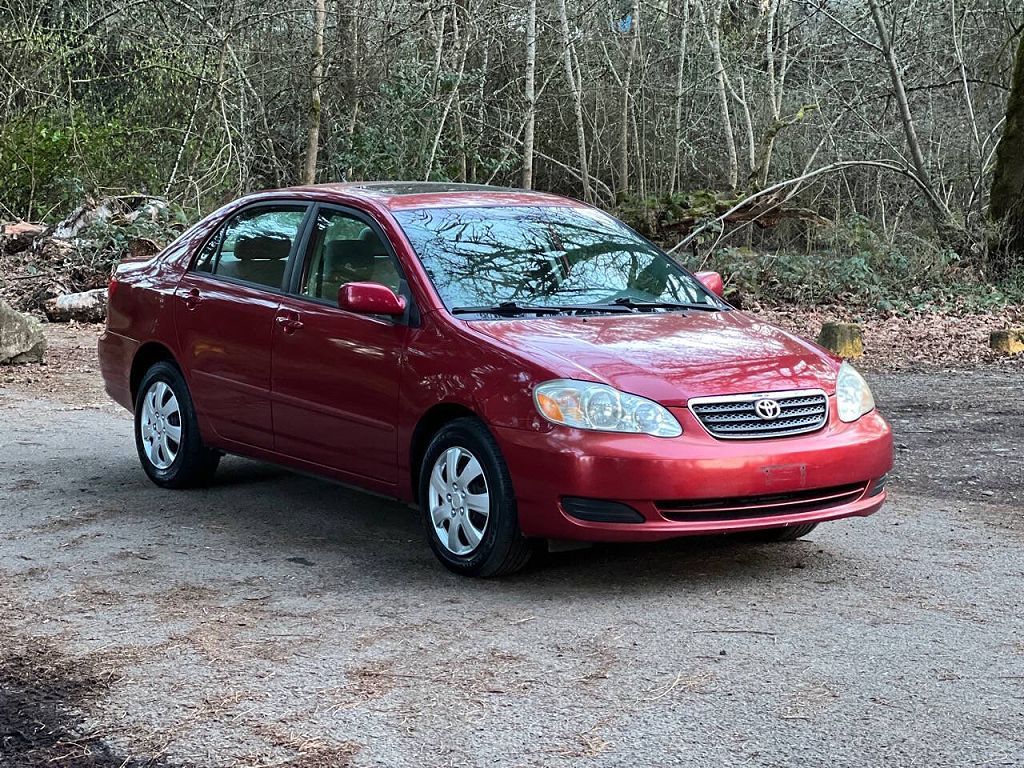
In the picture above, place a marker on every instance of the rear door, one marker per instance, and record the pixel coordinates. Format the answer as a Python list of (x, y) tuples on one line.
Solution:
[(336, 374), (226, 306)]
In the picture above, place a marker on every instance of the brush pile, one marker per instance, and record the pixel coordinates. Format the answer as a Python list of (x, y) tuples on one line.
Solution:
[(41, 266)]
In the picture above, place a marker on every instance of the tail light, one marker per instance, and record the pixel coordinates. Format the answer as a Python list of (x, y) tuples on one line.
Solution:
[(111, 288)]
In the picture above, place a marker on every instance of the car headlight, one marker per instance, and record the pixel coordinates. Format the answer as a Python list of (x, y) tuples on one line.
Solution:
[(853, 395), (587, 405)]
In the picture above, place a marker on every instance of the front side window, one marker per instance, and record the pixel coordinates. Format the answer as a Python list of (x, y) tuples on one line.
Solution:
[(343, 249), (543, 256), (254, 245)]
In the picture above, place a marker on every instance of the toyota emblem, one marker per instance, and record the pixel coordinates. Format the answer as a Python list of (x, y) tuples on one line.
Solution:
[(767, 409)]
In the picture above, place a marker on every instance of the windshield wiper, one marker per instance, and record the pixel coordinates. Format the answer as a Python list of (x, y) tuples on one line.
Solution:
[(508, 308), (513, 308), (626, 301)]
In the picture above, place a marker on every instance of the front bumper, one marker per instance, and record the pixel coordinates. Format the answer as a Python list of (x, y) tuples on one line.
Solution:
[(664, 478)]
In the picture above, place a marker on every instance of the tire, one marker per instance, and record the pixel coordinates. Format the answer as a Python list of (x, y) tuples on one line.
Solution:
[(170, 463), (483, 545), (788, 533)]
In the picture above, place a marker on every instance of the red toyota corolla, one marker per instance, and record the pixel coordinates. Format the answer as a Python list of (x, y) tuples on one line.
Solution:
[(522, 366)]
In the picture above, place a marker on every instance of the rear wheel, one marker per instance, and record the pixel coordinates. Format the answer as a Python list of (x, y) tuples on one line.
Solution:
[(789, 533), (467, 503), (167, 433)]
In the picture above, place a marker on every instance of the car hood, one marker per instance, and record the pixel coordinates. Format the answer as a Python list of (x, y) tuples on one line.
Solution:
[(670, 357)]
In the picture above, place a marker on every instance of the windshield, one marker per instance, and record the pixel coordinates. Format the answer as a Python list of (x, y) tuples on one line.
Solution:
[(544, 256)]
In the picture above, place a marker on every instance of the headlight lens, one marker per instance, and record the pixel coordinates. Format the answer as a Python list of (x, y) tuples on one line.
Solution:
[(853, 396), (587, 405)]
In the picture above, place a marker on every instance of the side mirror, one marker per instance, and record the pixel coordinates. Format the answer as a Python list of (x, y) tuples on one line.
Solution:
[(712, 281), (370, 299)]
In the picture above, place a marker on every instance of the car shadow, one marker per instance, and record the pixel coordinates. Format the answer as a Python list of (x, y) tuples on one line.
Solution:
[(267, 513)]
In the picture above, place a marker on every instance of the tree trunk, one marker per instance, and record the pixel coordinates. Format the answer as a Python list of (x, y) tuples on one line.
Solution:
[(1007, 200), (347, 43), (634, 39), (713, 33), (577, 99), (775, 88), (316, 78), (526, 180), (677, 135), (913, 144)]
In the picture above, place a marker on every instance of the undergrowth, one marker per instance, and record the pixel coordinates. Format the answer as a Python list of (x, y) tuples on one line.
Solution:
[(850, 261)]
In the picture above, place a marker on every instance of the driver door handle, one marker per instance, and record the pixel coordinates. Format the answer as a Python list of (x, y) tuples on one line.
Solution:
[(289, 321)]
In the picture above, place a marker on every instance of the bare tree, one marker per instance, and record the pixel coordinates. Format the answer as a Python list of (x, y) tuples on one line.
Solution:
[(913, 143), (530, 95), (709, 97), (713, 33), (577, 99), (316, 81), (677, 112), (624, 125)]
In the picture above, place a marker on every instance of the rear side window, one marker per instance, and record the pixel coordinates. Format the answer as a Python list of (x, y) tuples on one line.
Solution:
[(254, 246)]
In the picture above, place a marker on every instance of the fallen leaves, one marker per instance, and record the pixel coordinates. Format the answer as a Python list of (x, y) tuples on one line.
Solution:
[(907, 341)]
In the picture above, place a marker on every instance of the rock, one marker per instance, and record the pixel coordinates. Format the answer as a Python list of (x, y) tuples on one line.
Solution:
[(842, 338), (86, 307), (21, 337), (1008, 342)]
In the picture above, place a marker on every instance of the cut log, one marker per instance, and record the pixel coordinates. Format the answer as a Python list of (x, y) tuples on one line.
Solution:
[(19, 235), (21, 337), (1008, 342), (844, 339), (86, 307)]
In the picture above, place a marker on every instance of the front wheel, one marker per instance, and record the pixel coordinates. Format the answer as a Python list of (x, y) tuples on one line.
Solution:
[(468, 505), (167, 433)]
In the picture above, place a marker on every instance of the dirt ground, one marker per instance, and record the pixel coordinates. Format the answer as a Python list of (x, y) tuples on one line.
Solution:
[(275, 619)]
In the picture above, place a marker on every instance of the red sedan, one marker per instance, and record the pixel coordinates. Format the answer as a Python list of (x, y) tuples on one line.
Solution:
[(522, 366)]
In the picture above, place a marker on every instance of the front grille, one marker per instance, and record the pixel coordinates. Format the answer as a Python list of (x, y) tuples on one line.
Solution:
[(742, 507), (736, 417)]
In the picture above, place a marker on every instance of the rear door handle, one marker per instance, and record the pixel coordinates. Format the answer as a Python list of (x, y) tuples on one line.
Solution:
[(192, 299)]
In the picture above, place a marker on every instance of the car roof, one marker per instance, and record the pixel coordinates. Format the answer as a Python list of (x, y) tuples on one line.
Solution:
[(404, 195)]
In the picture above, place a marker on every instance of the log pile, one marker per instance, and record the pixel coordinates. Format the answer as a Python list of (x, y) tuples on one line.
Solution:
[(42, 268)]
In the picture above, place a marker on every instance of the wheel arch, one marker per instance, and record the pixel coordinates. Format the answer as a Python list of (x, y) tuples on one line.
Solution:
[(425, 429), (146, 356)]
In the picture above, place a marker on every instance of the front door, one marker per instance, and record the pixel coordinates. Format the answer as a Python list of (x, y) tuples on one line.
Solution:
[(225, 308), (335, 377)]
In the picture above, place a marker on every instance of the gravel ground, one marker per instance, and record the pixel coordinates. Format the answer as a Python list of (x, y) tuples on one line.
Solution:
[(276, 619)]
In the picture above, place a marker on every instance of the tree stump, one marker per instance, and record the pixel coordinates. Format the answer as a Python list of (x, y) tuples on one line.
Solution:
[(842, 338), (1009, 342)]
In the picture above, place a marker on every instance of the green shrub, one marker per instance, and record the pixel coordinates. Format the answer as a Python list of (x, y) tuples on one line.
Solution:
[(48, 162)]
